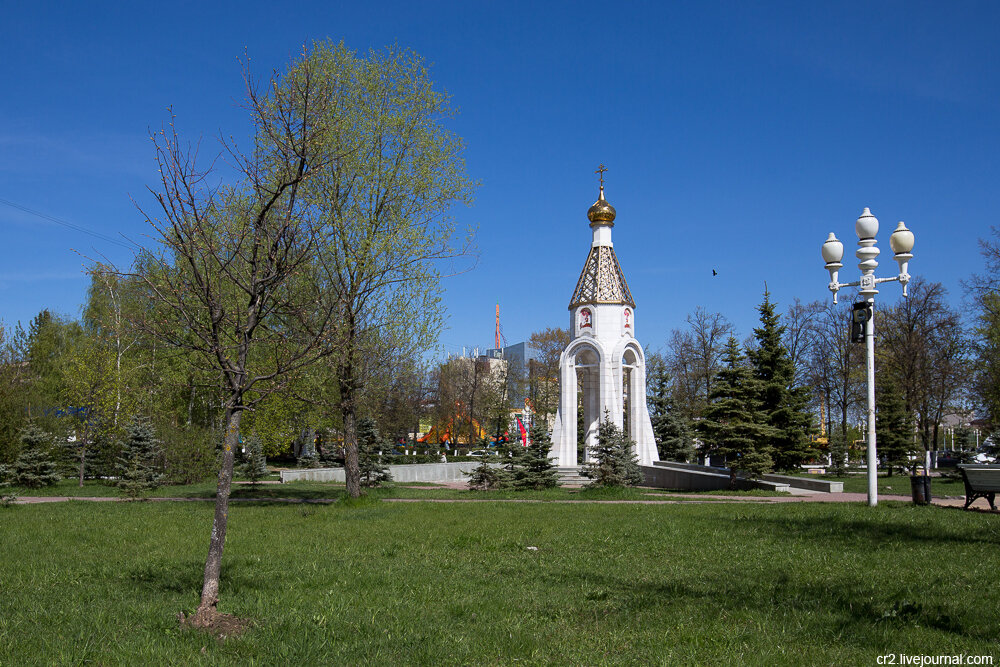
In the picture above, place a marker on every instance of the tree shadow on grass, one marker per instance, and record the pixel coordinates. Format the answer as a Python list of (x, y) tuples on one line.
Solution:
[(876, 531), (186, 576), (839, 609)]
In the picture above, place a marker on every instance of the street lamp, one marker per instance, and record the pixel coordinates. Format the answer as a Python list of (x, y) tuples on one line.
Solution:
[(901, 242)]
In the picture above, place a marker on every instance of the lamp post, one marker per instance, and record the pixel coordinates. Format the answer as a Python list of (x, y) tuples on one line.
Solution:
[(901, 242)]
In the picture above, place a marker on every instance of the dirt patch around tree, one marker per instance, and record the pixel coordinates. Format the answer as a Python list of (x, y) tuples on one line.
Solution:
[(219, 625)]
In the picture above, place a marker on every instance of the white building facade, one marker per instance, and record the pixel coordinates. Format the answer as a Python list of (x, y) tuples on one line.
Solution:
[(604, 359)]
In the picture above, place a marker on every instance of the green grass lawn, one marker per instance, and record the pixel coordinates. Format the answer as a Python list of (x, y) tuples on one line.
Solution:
[(898, 485), (335, 490), (429, 583)]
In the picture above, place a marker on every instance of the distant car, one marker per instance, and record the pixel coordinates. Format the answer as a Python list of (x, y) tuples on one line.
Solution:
[(479, 452)]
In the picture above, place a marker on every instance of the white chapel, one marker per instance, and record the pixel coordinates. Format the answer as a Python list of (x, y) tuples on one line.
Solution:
[(604, 356)]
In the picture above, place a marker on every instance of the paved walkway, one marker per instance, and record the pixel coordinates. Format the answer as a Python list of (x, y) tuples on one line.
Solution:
[(664, 498)]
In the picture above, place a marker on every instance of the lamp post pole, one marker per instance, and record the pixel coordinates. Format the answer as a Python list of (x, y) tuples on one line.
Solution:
[(901, 242)]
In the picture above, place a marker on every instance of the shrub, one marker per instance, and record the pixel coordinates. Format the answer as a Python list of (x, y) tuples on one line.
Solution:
[(190, 454)]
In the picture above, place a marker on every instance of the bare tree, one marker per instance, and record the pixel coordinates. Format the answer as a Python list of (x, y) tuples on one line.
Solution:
[(235, 281), (543, 374), (695, 357), (925, 348)]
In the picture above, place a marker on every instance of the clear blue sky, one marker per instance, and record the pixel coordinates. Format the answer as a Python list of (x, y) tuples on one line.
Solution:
[(737, 135)]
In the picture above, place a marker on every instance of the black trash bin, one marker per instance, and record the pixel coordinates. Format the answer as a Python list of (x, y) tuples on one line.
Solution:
[(920, 485)]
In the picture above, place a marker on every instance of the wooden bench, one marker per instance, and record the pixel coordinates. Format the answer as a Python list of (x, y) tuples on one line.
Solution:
[(981, 481)]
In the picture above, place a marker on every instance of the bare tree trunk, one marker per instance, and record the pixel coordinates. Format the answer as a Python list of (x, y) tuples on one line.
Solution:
[(213, 564), (352, 470)]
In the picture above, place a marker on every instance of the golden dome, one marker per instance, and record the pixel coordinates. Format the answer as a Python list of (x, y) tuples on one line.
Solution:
[(601, 211)]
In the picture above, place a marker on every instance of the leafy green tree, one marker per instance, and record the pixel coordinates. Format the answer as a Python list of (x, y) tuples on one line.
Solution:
[(785, 407), (34, 467), (14, 380), (373, 473), (893, 427), (534, 469), (614, 461), (140, 467), (673, 434), (386, 201), (254, 462), (734, 424)]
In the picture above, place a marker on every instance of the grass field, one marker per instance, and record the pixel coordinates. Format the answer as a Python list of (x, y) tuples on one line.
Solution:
[(372, 582), (899, 485)]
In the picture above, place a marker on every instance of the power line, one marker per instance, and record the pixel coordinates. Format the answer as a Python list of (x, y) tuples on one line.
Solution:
[(69, 225)]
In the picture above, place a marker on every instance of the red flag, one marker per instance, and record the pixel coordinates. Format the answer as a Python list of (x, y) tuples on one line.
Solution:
[(524, 434)]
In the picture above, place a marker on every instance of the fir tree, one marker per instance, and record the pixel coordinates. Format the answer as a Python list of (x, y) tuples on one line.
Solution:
[(534, 469), (373, 473), (894, 433), (840, 463), (34, 467), (674, 439), (615, 462), (733, 423), (487, 476), (139, 463), (785, 406), (254, 466)]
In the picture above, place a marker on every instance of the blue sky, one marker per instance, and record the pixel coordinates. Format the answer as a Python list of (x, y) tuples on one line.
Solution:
[(736, 135)]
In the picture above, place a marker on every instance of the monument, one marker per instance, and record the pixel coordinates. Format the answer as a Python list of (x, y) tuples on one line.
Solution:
[(603, 357)]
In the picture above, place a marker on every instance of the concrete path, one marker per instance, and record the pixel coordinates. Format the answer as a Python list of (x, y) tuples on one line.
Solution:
[(664, 498)]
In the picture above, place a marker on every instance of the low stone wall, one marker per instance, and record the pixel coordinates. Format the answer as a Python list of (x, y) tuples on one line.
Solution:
[(689, 477), (412, 472), (810, 484)]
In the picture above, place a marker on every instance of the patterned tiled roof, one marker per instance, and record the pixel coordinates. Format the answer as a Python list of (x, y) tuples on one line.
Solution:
[(601, 280)]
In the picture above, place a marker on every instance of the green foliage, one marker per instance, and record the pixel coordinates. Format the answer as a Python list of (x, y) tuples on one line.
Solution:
[(673, 434), (614, 462), (892, 425), (534, 469), (734, 424), (783, 405), (254, 465), (190, 454), (140, 466), (34, 467), (373, 473)]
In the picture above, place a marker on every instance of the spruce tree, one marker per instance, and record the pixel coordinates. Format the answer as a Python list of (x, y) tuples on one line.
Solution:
[(487, 476), (254, 466), (534, 469), (784, 405), (733, 423), (840, 463), (34, 467), (139, 463), (673, 435), (891, 424), (615, 462), (373, 473)]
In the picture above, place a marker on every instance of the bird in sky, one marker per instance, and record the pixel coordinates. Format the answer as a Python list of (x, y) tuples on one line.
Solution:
[(714, 272)]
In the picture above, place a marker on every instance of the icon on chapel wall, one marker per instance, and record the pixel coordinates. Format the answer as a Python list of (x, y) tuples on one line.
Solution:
[(628, 318), (585, 318)]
